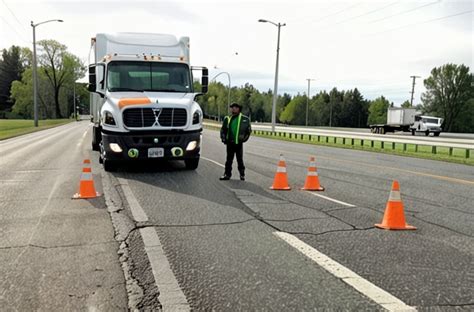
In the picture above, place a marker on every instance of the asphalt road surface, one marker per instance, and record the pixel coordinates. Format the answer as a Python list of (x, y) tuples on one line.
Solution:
[(56, 254), (223, 239), (219, 236)]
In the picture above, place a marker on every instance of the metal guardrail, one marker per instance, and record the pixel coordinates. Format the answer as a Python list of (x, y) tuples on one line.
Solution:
[(332, 139)]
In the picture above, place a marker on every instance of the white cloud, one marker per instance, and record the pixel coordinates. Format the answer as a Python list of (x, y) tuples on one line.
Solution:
[(373, 45)]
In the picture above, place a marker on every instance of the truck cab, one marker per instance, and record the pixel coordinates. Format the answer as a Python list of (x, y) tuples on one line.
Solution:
[(143, 104), (427, 125)]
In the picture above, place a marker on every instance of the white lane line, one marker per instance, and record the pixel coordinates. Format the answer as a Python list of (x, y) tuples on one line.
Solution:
[(315, 194), (213, 161), (137, 211), (171, 296), (82, 139), (332, 199), (375, 293)]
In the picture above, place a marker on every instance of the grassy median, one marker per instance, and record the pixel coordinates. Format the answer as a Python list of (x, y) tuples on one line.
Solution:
[(10, 128), (454, 155)]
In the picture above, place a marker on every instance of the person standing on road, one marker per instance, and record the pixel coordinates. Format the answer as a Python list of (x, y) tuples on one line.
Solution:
[(235, 132)]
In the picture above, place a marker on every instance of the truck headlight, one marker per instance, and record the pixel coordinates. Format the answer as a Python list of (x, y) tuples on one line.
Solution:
[(192, 145), (115, 147), (109, 119), (196, 117)]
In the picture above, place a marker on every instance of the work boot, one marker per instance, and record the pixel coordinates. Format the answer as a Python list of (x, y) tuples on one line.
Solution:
[(224, 177)]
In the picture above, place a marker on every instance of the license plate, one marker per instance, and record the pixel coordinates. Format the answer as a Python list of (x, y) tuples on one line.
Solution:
[(156, 152)]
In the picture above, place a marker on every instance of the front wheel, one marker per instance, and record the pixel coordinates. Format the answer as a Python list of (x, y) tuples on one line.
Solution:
[(436, 133), (412, 131), (109, 165), (427, 133), (96, 138), (192, 163)]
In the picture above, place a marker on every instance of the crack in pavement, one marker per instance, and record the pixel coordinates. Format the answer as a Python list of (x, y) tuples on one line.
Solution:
[(442, 226), (53, 247), (469, 304), (332, 231)]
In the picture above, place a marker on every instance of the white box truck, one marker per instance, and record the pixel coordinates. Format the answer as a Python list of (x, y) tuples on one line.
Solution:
[(143, 103), (408, 120)]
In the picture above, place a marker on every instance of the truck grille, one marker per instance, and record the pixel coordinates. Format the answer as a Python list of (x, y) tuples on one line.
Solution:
[(173, 117), (145, 117)]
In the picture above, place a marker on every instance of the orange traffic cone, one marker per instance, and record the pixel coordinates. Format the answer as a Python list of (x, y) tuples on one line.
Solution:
[(312, 179), (394, 217), (86, 186), (280, 182)]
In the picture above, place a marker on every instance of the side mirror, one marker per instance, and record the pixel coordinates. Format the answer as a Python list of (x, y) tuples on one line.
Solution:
[(205, 79), (92, 86)]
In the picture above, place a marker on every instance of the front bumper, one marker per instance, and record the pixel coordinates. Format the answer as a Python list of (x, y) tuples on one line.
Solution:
[(142, 141)]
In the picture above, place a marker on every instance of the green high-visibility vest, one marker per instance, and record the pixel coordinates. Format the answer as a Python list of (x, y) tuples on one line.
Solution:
[(229, 118)]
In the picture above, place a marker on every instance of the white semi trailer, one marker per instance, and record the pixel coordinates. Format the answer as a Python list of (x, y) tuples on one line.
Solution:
[(143, 103), (408, 120)]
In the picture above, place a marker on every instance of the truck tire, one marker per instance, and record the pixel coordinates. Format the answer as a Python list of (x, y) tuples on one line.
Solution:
[(412, 131), (427, 132), (192, 163), (96, 138), (109, 165), (436, 133)]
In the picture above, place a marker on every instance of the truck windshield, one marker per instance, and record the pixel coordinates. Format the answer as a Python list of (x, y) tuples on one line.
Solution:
[(430, 120), (148, 76)]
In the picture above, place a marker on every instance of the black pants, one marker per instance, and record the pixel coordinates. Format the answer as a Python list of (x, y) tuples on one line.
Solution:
[(238, 151)]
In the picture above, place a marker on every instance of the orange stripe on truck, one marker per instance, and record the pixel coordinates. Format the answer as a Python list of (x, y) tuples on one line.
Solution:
[(133, 101)]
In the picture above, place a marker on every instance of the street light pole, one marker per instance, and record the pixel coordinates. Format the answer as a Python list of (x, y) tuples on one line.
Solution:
[(74, 101), (307, 99), (228, 94), (275, 87), (35, 74)]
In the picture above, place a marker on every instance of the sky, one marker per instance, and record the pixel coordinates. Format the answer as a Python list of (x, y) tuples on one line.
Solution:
[(374, 46)]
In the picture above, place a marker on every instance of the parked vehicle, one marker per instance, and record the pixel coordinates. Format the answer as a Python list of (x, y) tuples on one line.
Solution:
[(408, 120), (142, 99)]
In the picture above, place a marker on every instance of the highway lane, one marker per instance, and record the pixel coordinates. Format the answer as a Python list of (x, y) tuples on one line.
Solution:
[(444, 138), (218, 236), (56, 254)]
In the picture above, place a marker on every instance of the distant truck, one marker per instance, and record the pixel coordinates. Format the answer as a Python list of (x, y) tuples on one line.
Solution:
[(408, 120), (142, 101)]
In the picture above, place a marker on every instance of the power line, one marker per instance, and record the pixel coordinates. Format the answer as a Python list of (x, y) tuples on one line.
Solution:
[(404, 12), (319, 19), (367, 13), (16, 18), (14, 29), (424, 22)]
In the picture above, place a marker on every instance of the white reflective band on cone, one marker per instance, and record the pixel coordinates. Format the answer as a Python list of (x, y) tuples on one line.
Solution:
[(312, 173), (87, 176), (281, 169), (395, 196)]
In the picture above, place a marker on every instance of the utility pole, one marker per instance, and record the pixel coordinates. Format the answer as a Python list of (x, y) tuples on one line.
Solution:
[(275, 88), (307, 98), (413, 89)]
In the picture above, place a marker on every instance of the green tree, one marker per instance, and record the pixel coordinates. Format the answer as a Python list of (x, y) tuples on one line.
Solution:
[(59, 66), (448, 90), (11, 68), (465, 122), (295, 112), (22, 95), (378, 111), (406, 104)]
